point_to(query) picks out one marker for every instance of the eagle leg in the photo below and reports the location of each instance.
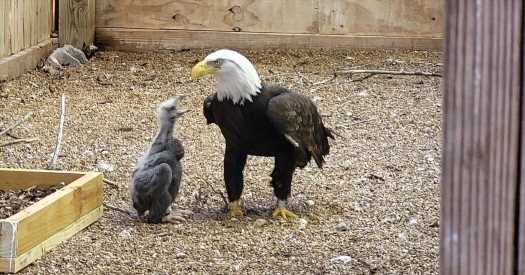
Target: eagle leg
(282, 184)
(234, 209)
(234, 162)
(281, 212)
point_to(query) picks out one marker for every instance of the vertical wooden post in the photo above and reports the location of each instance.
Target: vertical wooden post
(482, 125)
(76, 22)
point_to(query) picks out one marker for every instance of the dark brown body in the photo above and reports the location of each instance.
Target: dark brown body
(258, 128)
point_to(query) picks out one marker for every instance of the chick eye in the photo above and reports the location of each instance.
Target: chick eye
(218, 62)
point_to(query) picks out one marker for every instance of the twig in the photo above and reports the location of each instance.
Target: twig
(53, 161)
(114, 208)
(24, 140)
(363, 121)
(111, 183)
(213, 189)
(16, 124)
(374, 72)
(334, 76)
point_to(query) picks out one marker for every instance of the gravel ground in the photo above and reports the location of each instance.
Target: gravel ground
(374, 208)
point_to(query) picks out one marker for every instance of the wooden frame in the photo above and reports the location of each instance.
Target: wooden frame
(29, 234)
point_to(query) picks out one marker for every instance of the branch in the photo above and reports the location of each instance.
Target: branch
(52, 164)
(374, 72)
(114, 208)
(16, 124)
(111, 183)
(213, 189)
(24, 140)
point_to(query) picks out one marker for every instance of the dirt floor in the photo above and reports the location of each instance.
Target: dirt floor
(12, 201)
(374, 208)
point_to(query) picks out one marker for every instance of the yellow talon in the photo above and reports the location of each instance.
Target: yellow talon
(234, 209)
(284, 213)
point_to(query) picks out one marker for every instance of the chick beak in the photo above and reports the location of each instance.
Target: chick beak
(201, 69)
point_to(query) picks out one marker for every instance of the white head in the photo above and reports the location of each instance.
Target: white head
(236, 77)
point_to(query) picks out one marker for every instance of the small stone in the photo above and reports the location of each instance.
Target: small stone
(105, 166)
(341, 260)
(309, 203)
(125, 234)
(342, 226)
(403, 237)
(302, 223)
(260, 222)
(180, 255)
(412, 221)
(233, 219)
(363, 94)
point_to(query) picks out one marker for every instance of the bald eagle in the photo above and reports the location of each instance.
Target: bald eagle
(261, 120)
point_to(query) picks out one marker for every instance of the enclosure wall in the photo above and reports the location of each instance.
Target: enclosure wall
(23, 24)
(176, 24)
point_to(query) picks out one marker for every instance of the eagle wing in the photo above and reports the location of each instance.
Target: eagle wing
(296, 117)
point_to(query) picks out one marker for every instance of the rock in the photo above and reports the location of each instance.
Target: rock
(341, 260)
(309, 203)
(302, 223)
(125, 234)
(363, 94)
(180, 255)
(260, 222)
(412, 221)
(65, 56)
(104, 166)
(342, 226)
(403, 237)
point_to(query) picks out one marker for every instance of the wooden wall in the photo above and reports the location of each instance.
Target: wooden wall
(23, 24)
(483, 220)
(175, 24)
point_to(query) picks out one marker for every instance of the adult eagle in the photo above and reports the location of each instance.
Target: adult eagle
(256, 119)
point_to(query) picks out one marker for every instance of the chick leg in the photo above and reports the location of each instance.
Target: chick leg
(234, 162)
(282, 185)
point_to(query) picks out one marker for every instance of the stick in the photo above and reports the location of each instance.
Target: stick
(363, 121)
(114, 208)
(16, 124)
(53, 161)
(24, 140)
(334, 76)
(389, 72)
(213, 189)
(111, 183)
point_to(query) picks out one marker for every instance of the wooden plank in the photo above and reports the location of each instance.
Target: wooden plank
(143, 39)
(77, 23)
(481, 128)
(382, 17)
(283, 16)
(17, 64)
(3, 29)
(38, 251)
(56, 211)
(7, 241)
(13, 179)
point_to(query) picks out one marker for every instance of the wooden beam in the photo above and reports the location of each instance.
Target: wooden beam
(21, 62)
(481, 127)
(147, 39)
(62, 208)
(76, 23)
(10, 179)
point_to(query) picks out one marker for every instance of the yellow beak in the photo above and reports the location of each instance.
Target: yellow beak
(201, 69)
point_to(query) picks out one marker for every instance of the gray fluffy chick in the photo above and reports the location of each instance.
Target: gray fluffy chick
(157, 175)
